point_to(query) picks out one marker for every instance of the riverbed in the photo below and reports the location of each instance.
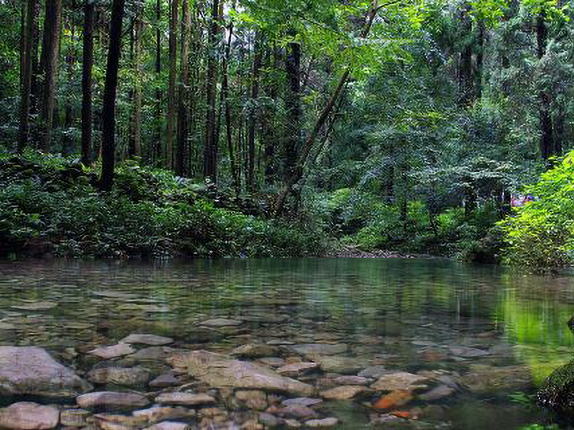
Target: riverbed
(341, 343)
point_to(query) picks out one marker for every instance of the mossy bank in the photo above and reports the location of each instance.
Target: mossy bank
(50, 205)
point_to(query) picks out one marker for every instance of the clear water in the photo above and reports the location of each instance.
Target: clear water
(403, 313)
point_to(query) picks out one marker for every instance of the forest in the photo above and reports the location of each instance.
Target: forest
(286, 214)
(271, 128)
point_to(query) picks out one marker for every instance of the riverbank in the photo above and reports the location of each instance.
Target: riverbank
(50, 206)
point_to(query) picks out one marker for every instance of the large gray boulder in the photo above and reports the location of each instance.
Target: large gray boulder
(222, 372)
(32, 371)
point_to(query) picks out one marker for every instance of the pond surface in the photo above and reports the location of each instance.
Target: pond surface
(492, 333)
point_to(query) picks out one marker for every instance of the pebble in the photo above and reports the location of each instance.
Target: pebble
(184, 399)
(325, 422)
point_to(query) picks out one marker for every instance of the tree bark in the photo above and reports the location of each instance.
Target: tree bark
(68, 137)
(253, 112)
(228, 125)
(110, 91)
(136, 145)
(155, 150)
(293, 106)
(544, 99)
(465, 81)
(87, 65)
(27, 62)
(171, 96)
(50, 57)
(480, 59)
(210, 150)
(184, 93)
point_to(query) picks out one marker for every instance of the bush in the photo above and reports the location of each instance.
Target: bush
(48, 204)
(540, 235)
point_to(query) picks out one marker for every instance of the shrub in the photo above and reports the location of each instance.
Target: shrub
(540, 235)
(50, 205)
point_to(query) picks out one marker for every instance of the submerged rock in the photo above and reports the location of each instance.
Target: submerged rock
(373, 371)
(32, 371)
(319, 349)
(252, 399)
(351, 380)
(125, 376)
(400, 381)
(296, 369)
(325, 422)
(343, 365)
(221, 372)
(112, 400)
(484, 379)
(467, 352)
(74, 417)
(344, 392)
(184, 399)
(221, 322)
(252, 350)
(437, 393)
(304, 401)
(114, 351)
(169, 425)
(147, 339)
(165, 380)
(29, 416)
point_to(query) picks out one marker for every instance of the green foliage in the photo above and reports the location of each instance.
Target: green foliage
(541, 234)
(52, 206)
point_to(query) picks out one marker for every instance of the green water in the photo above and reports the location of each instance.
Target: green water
(402, 313)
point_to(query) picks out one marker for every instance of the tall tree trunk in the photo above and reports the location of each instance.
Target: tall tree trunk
(465, 81)
(210, 150)
(293, 105)
(184, 93)
(228, 125)
(50, 57)
(268, 134)
(544, 99)
(87, 65)
(110, 91)
(136, 137)
(253, 112)
(68, 138)
(171, 96)
(23, 7)
(480, 59)
(35, 90)
(156, 144)
(312, 137)
(27, 62)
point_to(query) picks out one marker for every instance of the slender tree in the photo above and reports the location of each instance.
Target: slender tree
(26, 74)
(293, 105)
(183, 112)
(210, 147)
(135, 146)
(87, 65)
(50, 59)
(253, 112)
(171, 91)
(109, 102)
(465, 76)
(156, 144)
(228, 122)
(546, 130)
